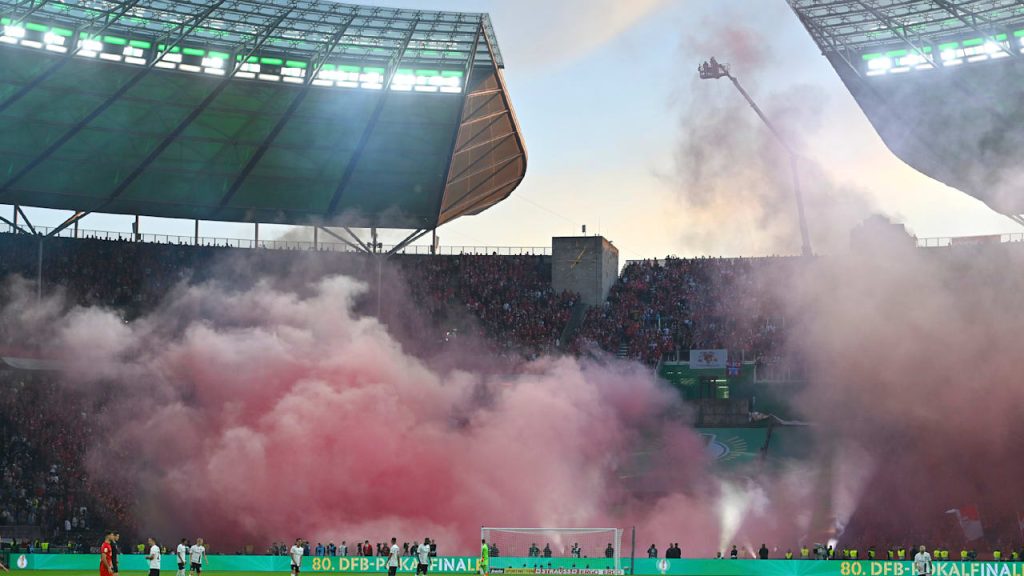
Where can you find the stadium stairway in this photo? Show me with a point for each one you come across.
(623, 352)
(576, 318)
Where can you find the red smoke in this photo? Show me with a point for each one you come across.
(914, 358)
(260, 415)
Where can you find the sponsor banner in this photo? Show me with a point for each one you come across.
(569, 571)
(558, 566)
(685, 567)
(608, 571)
(375, 564)
(708, 359)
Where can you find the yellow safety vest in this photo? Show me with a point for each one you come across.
(1015, 556)
(853, 554)
(936, 554)
(805, 553)
(945, 554)
(963, 554)
(901, 554)
(997, 555)
(871, 554)
(789, 555)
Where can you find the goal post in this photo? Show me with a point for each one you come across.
(555, 548)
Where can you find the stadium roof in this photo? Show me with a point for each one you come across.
(941, 82)
(270, 111)
(864, 24)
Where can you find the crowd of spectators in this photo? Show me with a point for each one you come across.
(661, 307)
(41, 469)
(509, 297)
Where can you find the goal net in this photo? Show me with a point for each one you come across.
(555, 548)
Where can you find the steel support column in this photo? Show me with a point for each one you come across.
(24, 217)
(16, 229)
(365, 246)
(360, 248)
(408, 240)
(71, 220)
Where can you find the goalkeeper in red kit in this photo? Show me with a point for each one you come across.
(107, 555)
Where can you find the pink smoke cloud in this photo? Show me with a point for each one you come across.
(263, 414)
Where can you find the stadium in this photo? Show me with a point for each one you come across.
(310, 398)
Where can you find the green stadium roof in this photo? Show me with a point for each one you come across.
(299, 112)
(860, 25)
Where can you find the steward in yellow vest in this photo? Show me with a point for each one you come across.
(853, 554)
(871, 553)
(963, 555)
(901, 553)
(805, 553)
(997, 555)
(789, 554)
(945, 554)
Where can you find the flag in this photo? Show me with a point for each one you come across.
(970, 521)
(732, 368)
(1020, 524)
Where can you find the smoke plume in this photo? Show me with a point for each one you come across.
(262, 413)
(731, 172)
(912, 358)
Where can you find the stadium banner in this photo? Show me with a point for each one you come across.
(375, 564)
(708, 359)
(231, 563)
(524, 566)
(686, 567)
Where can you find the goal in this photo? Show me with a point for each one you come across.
(555, 548)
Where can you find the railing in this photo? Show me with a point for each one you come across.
(970, 240)
(321, 246)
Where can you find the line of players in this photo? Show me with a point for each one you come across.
(195, 554)
(394, 557)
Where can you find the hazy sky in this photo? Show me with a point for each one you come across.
(601, 88)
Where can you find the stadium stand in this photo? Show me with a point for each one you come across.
(657, 309)
(660, 307)
(508, 298)
(42, 496)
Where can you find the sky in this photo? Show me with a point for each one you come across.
(605, 92)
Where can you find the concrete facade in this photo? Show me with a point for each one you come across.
(588, 265)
